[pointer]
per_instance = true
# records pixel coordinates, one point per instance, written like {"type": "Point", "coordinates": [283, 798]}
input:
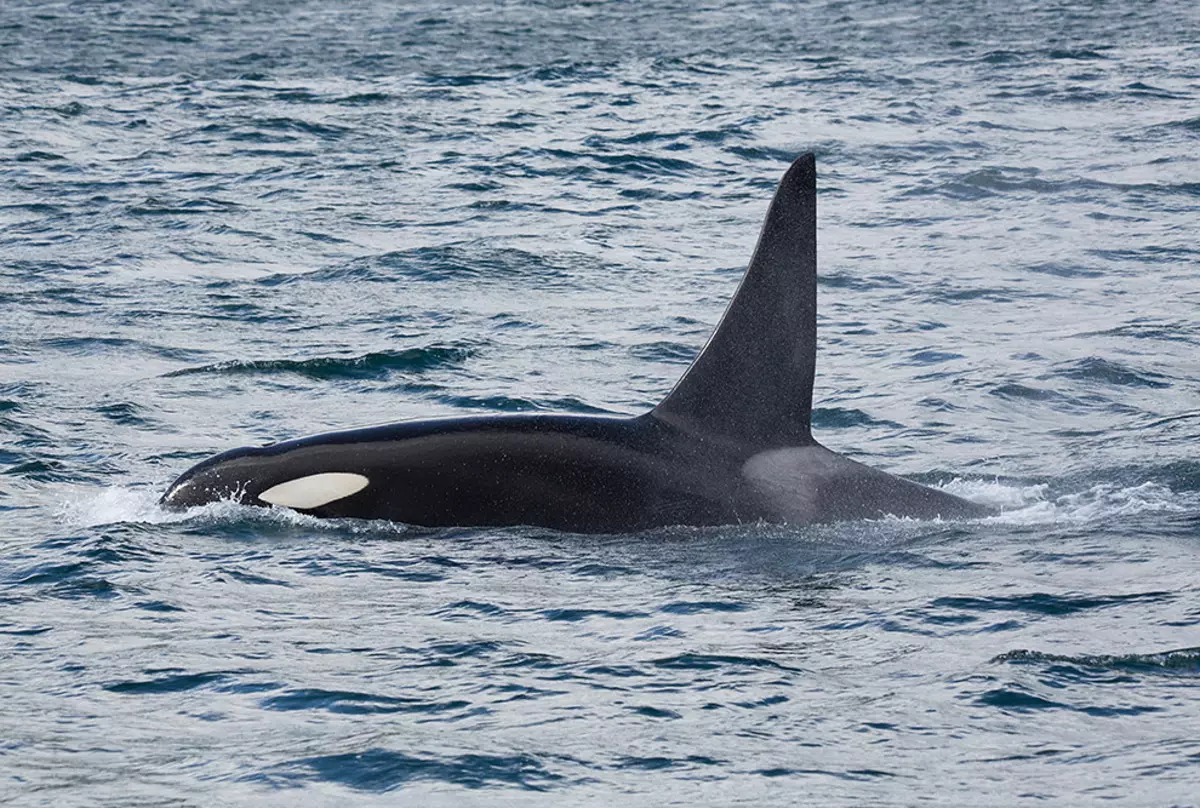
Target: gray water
{"type": "Point", "coordinates": [232, 223]}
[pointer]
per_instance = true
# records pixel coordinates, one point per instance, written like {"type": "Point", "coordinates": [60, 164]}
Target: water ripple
{"type": "Point", "coordinates": [225, 222]}
{"type": "Point", "coordinates": [378, 365]}
{"type": "Point", "coordinates": [382, 770]}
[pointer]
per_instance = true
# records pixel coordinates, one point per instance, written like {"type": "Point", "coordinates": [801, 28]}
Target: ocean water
{"type": "Point", "coordinates": [228, 223]}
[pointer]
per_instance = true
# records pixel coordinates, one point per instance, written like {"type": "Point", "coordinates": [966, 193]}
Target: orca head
{"type": "Point", "coordinates": [230, 476]}
{"type": "Point", "coordinates": [260, 476]}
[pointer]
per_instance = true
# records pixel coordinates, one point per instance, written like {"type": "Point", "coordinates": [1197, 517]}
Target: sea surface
{"type": "Point", "coordinates": [228, 222]}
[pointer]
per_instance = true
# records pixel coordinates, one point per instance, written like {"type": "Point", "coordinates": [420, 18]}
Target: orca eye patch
{"type": "Point", "coordinates": [314, 490]}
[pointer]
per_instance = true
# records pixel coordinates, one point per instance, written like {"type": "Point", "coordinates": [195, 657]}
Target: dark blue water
{"type": "Point", "coordinates": [231, 223]}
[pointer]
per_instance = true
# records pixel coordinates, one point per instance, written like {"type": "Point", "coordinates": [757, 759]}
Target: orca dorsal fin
{"type": "Point", "coordinates": [753, 381]}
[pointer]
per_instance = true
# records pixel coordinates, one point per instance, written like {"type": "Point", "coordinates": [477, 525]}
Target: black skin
{"type": "Point", "coordinates": [584, 474]}
{"type": "Point", "coordinates": [581, 474]}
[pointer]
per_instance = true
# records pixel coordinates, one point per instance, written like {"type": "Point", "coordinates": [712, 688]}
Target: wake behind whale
{"type": "Point", "coordinates": [731, 443]}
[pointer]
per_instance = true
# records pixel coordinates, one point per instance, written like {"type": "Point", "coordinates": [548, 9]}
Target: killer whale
{"type": "Point", "coordinates": [731, 443]}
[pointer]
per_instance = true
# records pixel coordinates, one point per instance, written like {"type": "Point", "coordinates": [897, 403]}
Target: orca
{"type": "Point", "coordinates": [731, 443]}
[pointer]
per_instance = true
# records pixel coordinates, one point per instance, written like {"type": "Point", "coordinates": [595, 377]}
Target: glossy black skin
{"type": "Point", "coordinates": [575, 473]}
{"type": "Point", "coordinates": [578, 473]}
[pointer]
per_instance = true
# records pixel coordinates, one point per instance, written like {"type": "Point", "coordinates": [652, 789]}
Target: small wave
{"type": "Point", "coordinates": [1065, 270]}
{"type": "Point", "coordinates": [354, 703]}
{"type": "Point", "coordinates": [258, 129]}
{"type": "Point", "coordinates": [847, 418]}
{"type": "Point", "coordinates": [659, 194]}
{"type": "Point", "coordinates": [1184, 661]}
{"type": "Point", "coordinates": [675, 353]}
{"type": "Point", "coordinates": [1013, 390]}
{"type": "Point", "coordinates": [931, 357]}
{"type": "Point", "coordinates": [708, 662]}
{"type": "Point", "coordinates": [857, 282]}
{"type": "Point", "coordinates": [578, 615]}
{"type": "Point", "coordinates": [37, 156]}
{"type": "Point", "coordinates": [644, 165]}
{"type": "Point", "coordinates": [123, 412]}
{"type": "Point", "coordinates": [71, 109]}
{"type": "Point", "coordinates": [1085, 54]}
{"type": "Point", "coordinates": [470, 260]}
{"type": "Point", "coordinates": [363, 99]}
{"type": "Point", "coordinates": [992, 181]}
{"type": "Point", "coordinates": [1003, 57]}
{"type": "Point", "coordinates": [1139, 89]}
{"type": "Point", "coordinates": [1187, 124]}
{"type": "Point", "coordinates": [765, 153]}
{"type": "Point", "coordinates": [72, 580]}
{"type": "Point", "coordinates": [368, 366]}
{"type": "Point", "coordinates": [45, 471]}
{"type": "Point", "coordinates": [1033, 505]}
{"type": "Point", "coordinates": [1105, 371]}
{"type": "Point", "coordinates": [567, 73]}
{"type": "Point", "coordinates": [381, 770]}
{"type": "Point", "coordinates": [173, 206]}
{"type": "Point", "coordinates": [1044, 603]}
{"type": "Point", "coordinates": [1152, 254]}
{"type": "Point", "coordinates": [174, 681]}
{"type": "Point", "coordinates": [702, 607]}
{"type": "Point", "coordinates": [470, 609]}
{"type": "Point", "coordinates": [659, 764]}
{"type": "Point", "coordinates": [463, 80]}
{"type": "Point", "coordinates": [499, 403]}
{"type": "Point", "coordinates": [1162, 329]}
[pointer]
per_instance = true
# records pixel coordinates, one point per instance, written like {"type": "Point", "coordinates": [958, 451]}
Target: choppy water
{"type": "Point", "coordinates": [229, 223]}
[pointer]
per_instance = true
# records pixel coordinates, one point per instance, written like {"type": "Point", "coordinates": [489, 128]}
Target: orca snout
{"type": "Point", "coordinates": [228, 476]}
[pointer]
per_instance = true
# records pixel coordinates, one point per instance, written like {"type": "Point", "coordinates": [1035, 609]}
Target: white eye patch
{"type": "Point", "coordinates": [314, 490]}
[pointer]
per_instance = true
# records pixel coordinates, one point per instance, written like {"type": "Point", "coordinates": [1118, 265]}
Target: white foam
{"type": "Point", "coordinates": [1032, 504]}
{"type": "Point", "coordinates": [116, 505]}
{"type": "Point", "coordinates": [996, 494]}
{"type": "Point", "coordinates": [140, 506]}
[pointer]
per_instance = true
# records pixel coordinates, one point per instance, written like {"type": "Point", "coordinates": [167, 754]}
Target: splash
{"type": "Point", "coordinates": [116, 505]}
{"type": "Point", "coordinates": [141, 506]}
{"type": "Point", "coordinates": [1034, 504]}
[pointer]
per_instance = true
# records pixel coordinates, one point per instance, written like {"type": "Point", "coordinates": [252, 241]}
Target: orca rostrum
{"type": "Point", "coordinates": [731, 443]}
